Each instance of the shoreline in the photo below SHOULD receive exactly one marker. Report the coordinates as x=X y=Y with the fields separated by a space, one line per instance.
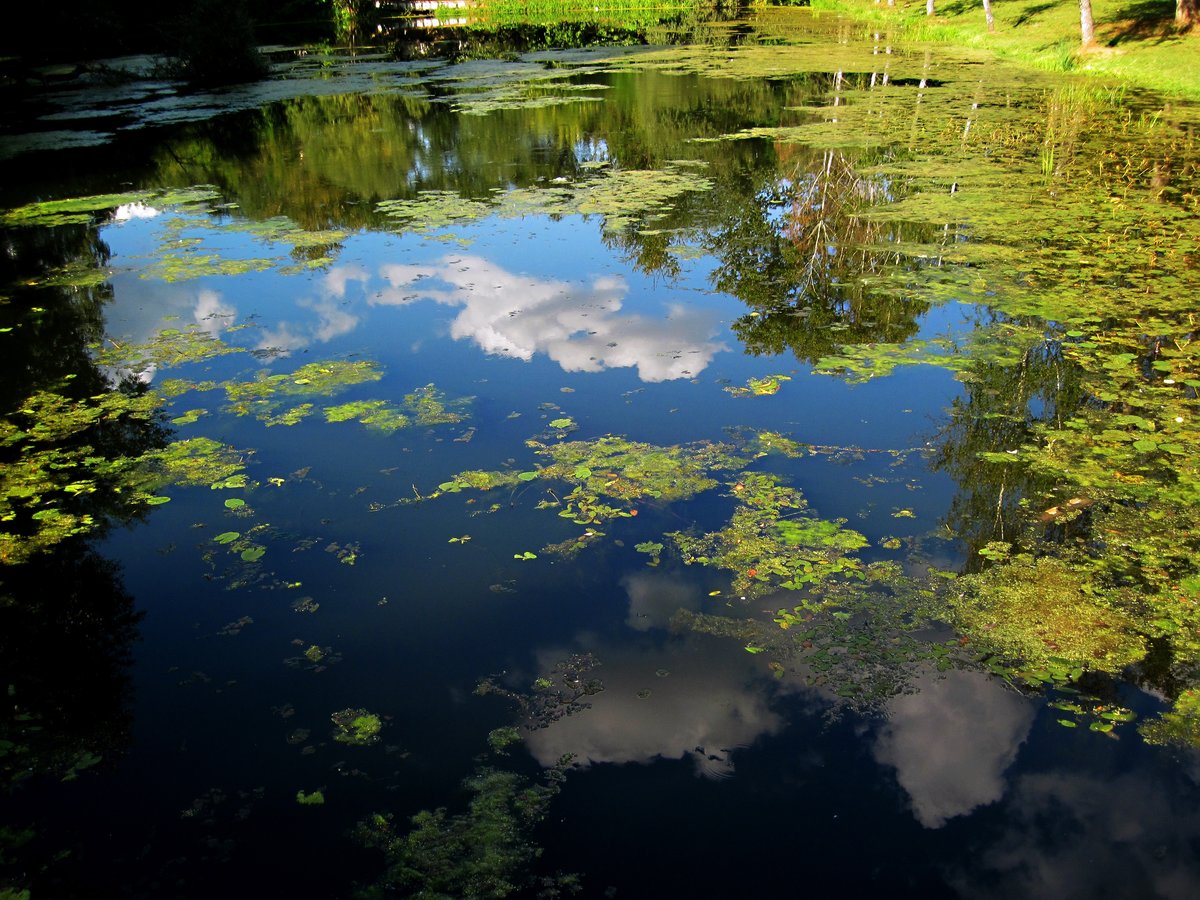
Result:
x=1146 y=53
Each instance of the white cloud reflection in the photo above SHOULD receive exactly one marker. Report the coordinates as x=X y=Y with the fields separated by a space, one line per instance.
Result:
x=212 y=313
x=577 y=324
x=705 y=706
x=580 y=325
x=951 y=742
x=332 y=317
x=695 y=697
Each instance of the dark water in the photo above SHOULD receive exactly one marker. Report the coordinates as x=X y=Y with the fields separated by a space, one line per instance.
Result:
x=700 y=770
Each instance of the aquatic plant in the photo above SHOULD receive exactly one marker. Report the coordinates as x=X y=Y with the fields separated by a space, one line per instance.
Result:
x=560 y=692
x=86 y=210
x=1034 y=609
x=482 y=852
x=428 y=406
x=771 y=543
x=500 y=739
x=486 y=851
x=315 y=798
x=1179 y=726
x=199 y=461
x=760 y=387
x=621 y=197
x=861 y=641
x=356 y=727
x=59 y=481
x=376 y=414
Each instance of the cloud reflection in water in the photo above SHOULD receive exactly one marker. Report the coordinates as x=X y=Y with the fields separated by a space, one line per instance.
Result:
x=951 y=742
x=576 y=324
x=706 y=697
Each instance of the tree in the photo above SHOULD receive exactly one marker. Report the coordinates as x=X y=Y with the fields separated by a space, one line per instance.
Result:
x=214 y=43
x=1087 y=25
x=1187 y=13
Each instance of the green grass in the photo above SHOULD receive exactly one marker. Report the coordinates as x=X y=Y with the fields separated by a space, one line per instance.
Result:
x=1136 y=40
x=626 y=13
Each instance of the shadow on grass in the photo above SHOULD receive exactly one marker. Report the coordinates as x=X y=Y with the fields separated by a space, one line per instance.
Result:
x=1032 y=12
x=963 y=7
x=959 y=7
x=1140 y=20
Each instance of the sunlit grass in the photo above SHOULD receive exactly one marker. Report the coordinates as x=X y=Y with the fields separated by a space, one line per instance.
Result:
x=1135 y=41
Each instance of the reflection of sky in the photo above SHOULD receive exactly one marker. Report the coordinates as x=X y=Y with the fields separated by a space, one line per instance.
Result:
x=951 y=742
x=1082 y=834
x=704 y=708
x=581 y=324
x=706 y=697
x=578 y=325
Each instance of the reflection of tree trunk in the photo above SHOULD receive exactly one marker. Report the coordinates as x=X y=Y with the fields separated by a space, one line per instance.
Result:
x=1087 y=25
x=987 y=14
x=1187 y=13
x=912 y=140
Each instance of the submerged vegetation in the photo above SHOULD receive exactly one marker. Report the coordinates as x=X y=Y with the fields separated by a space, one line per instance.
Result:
x=482 y=852
x=620 y=197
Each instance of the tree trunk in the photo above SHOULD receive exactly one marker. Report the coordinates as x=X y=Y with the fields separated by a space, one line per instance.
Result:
x=1087 y=25
x=987 y=13
x=929 y=7
x=1187 y=13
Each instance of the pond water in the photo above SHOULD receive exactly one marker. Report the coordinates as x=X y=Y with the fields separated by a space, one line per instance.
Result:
x=760 y=465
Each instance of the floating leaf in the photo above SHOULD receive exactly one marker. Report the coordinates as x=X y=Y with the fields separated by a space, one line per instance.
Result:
x=227 y=537
x=254 y=553
x=528 y=476
x=235 y=503
x=157 y=501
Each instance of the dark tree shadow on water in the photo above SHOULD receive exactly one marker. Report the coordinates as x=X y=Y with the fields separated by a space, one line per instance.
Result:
x=67 y=629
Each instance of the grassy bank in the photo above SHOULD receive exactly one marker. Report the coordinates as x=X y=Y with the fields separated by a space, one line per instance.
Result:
x=1136 y=40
